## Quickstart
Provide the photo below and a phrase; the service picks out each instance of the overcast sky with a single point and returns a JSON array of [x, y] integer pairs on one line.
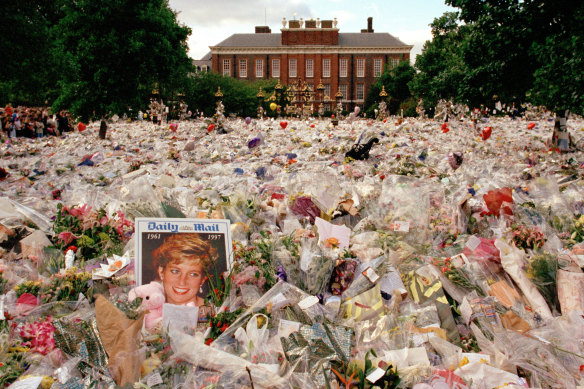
[[214, 21]]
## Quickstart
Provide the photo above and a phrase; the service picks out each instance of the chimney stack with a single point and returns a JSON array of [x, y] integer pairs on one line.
[[369, 28], [262, 30]]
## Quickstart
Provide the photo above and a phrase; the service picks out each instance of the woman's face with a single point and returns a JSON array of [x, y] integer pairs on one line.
[[181, 281]]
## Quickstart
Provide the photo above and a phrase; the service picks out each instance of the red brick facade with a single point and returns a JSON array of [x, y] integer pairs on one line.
[[360, 51]]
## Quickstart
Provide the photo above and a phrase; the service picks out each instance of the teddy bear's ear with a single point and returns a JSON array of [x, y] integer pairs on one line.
[[132, 295], [158, 285]]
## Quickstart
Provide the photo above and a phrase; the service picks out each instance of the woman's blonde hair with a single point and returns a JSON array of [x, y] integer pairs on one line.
[[178, 248]]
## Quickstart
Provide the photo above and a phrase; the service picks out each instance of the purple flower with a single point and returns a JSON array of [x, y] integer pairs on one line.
[[281, 273]]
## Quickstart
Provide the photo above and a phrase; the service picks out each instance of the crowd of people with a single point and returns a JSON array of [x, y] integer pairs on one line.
[[33, 122]]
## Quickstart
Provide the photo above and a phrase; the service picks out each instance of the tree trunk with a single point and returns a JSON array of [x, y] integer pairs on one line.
[[102, 129], [561, 135]]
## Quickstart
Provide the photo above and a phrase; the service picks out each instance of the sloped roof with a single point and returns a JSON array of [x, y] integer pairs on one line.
[[252, 40], [377, 39]]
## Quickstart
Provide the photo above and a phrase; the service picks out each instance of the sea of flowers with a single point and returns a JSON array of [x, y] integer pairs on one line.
[[446, 259]]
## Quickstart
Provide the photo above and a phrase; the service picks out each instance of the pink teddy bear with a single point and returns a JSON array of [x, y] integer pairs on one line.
[[153, 299]]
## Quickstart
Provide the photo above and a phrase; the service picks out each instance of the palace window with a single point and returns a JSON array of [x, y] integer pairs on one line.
[[243, 68], [292, 70], [343, 89], [276, 68], [361, 67], [226, 67], [309, 68], [326, 67], [259, 68], [377, 67], [360, 95], [343, 67]]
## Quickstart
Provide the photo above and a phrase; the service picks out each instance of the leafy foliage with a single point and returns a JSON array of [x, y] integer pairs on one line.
[[395, 80], [239, 95], [112, 53], [508, 50], [441, 67], [29, 72]]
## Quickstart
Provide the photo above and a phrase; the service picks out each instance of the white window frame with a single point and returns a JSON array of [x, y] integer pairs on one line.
[[292, 68], [309, 68], [344, 90], [243, 69], [326, 68], [360, 67], [343, 67], [327, 91], [360, 90], [227, 67], [394, 62], [377, 67], [259, 68], [276, 68]]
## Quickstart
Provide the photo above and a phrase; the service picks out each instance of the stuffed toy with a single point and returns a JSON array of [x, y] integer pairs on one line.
[[360, 152], [153, 299]]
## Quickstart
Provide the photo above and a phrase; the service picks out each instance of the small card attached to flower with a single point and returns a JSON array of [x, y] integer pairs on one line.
[[114, 265], [371, 275]]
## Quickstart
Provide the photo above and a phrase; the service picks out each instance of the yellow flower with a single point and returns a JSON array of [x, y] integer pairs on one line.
[[463, 362]]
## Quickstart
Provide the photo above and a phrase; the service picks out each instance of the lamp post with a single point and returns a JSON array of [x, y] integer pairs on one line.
[[278, 90], [320, 89], [382, 103], [339, 106], [260, 97], [219, 111]]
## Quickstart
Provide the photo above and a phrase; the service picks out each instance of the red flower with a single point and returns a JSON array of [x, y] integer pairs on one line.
[[66, 237], [498, 200], [209, 341], [225, 326], [74, 248]]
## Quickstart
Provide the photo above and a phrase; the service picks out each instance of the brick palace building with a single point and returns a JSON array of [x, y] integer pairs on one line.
[[312, 51]]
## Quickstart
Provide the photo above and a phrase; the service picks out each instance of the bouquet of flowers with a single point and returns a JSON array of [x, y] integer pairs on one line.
[[570, 228], [90, 233], [526, 237], [67, 286], [38, 336], [253, 265]]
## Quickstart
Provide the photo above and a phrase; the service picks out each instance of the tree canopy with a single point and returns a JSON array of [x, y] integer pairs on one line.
[[114, 51], [395, 80], [518, 51], [29, 70], [239, 95]]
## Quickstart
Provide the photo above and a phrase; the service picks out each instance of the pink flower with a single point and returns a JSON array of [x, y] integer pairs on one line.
[[66, 237], [39, 336], [82, 212], [249, 275], [103, 221]]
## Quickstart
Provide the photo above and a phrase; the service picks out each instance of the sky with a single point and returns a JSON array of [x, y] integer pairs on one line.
[[214, 21]]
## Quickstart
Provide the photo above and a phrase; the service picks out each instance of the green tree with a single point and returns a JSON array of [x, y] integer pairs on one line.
[[559, 54], [113, 52], [239, 96], [29, 71], [496, 55], [526, 50], [395, 80], [441, 68]]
